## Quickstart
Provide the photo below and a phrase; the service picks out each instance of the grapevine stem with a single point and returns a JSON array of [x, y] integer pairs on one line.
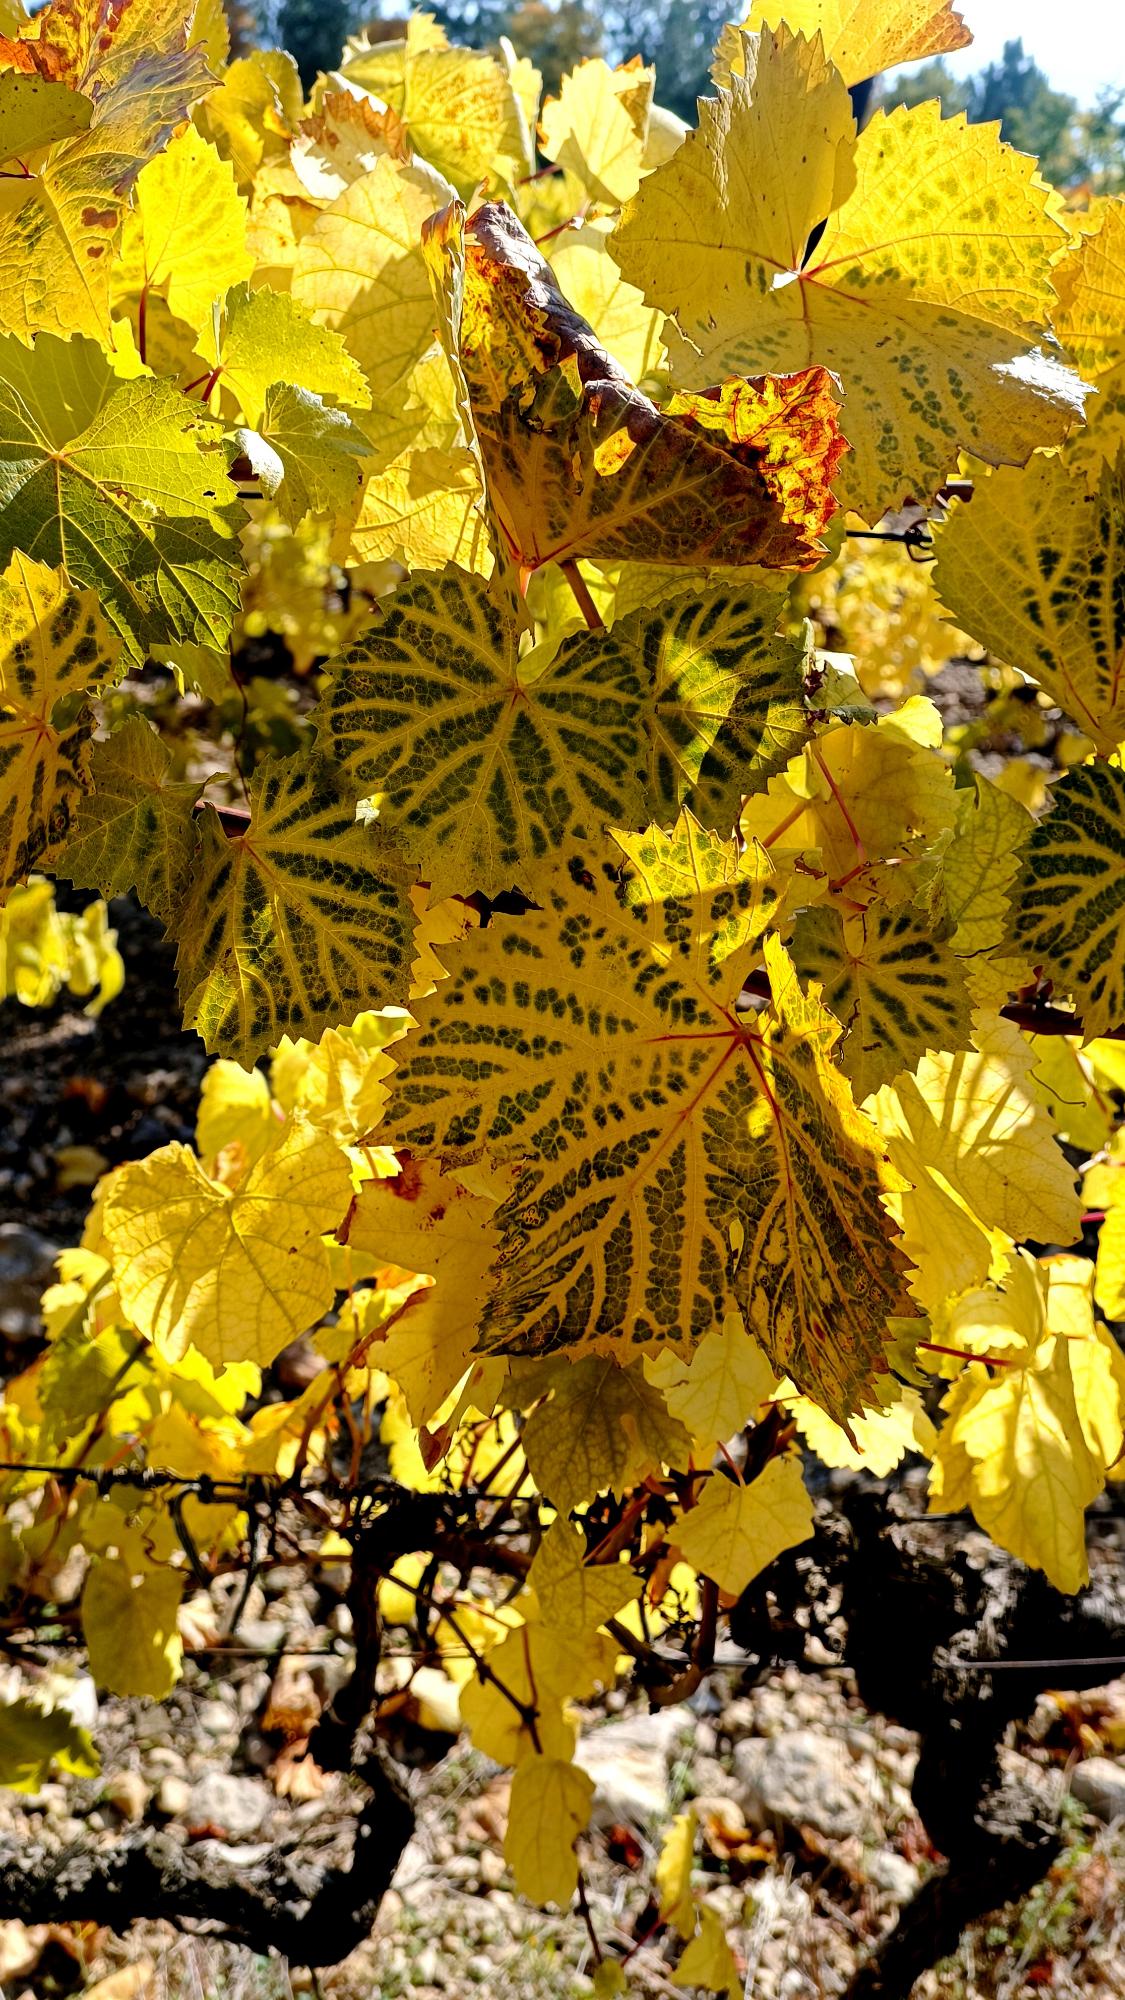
[[582, 595]]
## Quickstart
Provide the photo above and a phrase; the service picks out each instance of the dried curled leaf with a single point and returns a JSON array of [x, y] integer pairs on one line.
[[580, 464]]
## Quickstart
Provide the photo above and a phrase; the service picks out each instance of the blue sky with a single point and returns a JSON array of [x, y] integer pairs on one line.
[[1079, 43]]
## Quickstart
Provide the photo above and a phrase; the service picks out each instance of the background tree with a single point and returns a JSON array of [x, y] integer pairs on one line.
[[1075, 147]]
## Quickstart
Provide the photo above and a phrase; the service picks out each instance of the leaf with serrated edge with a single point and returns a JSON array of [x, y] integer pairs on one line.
[[129, 1625], [603, 1429], [896, 989], [927, 293], [1068, 904], [54, 647], [125, 482], [861, 37], [424, 1221], [361, 271], [237, 1275], [574, 1595], [975, 1121], [136, 830], [186, 231], [734, 1532], [680, 1161], [269, 337], [306, 454], [59, 224], [550, 1806], [579, 463], [718, 1390], [596, 127], [295, 925], [1032, 570], [484, 760]]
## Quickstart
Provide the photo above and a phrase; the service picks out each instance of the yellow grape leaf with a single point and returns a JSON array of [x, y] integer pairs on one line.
[[305, 454], [1110, 1285], [55, 651], [36, 111], [297, 924], [186, 232], [708, 1960], [734, 1532], [861, 37], [894, 987], [1097, 1363], [615, 312], [927, 293], [1066, 1083], [129, 1624], [60, 222], [125, 483], [485, 761], [458, 106], [36, 1738], [342, 140], [1090, 322], [580, 464], [136, 829], [269, 338], [550, 1806], [518, 1710], [596, 127], [360, 269], [425, 1221], [572, 1594], [603, 1430], [251, 115], [715, 1393], [422, 510], [1030, 568], [882, 1437], [860, 794], [680, 1161], [237, 1275], [1030, 1472], [974, 1121], [341, 1088], [1070, 896], [948, 1245], [673, 1873], [979, 866], [235, 1108]]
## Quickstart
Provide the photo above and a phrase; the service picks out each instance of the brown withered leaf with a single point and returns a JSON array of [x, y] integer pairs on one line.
[[579, 463]]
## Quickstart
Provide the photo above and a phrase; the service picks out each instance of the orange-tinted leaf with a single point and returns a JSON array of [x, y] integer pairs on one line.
[[580, 464]]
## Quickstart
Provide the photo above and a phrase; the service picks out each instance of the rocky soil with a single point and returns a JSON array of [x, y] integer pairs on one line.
[[808, 1842]]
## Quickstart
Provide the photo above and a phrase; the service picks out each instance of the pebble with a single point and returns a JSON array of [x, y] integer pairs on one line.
[[492, 1869], [164, 1759], [127, 1793], [892, 1873], [1098, 1783], [216, 1719], [173, 1797], [628, 1760], [237, 1805], [804, 1778]]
